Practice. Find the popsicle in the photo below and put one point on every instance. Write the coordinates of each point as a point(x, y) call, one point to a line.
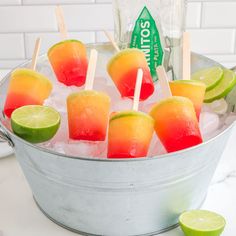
point(88, 110)
point(194, 90)
point(175, 118)
point(27, 87)
point(123, 67)
point(130, 132)
point(68, 58)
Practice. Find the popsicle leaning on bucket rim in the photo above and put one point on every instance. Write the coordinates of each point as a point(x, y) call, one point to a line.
point(68, 58)
point(27, 87)
point(192, 89)
point(130, 132)
point(88, 110)
point(176, 122)
point(123, 67)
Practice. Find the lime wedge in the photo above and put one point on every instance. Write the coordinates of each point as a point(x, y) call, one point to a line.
point(210, 77)
point(223, 88)
point(201, 223)
point(34, 123)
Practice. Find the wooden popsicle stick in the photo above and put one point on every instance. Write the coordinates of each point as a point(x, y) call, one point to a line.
point(137, 91)
point(111, 39)
point(186, 56)
point(91, 70)
point(61, 23)
point(36, 53)
point(164, 82)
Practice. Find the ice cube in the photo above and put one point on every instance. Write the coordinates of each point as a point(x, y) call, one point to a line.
point(156, 147)
point(59, 95)
point(82, 149)
point(62, 134)
point(209, 123)
point(206, 108)
point(219, 106)
point(113, 93)
point(122, 105)
point(102, 83)
point(45, 68)
point(157, 95)
point(59, 147)
point(230, 119)
point(146, 106)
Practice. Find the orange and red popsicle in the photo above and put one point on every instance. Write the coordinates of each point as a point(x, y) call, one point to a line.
point(27, 87)
point(69, 62)
point(176, 123)
point(123, 70)
point(130, 134)
point(88, 115)
point(194, 90)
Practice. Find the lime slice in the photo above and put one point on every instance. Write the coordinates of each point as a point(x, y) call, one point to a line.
point(223, 88)
point(34, 123)
point(202, 223)
point(210, 77)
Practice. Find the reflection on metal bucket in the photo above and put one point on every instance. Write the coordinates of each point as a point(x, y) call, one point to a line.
point(118, 197)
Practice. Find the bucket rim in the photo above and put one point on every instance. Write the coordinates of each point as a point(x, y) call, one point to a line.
point(97, 159)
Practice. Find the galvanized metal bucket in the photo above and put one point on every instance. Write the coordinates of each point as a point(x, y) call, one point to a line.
point(117, 197)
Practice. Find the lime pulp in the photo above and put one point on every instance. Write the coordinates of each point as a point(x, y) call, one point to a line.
point(35, 123)
point(223, 88)
point(210, 77)
point(202, 223)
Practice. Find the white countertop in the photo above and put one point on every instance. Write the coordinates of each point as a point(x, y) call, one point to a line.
point(19, 214)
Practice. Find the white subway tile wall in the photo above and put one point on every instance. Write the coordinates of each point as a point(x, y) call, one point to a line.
point(212, 24)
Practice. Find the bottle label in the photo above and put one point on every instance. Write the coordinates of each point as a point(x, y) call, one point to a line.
point(146, 37)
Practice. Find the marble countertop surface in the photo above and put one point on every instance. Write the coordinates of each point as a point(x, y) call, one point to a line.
point(19, 214)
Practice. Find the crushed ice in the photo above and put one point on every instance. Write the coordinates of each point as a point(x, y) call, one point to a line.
point(212, 120)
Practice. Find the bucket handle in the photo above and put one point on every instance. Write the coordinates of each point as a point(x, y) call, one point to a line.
point(5, 138)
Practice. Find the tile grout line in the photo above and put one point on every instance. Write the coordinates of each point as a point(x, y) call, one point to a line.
point(97, 31)
point(100, 30)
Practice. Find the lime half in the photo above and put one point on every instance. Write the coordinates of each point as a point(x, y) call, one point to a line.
point(223, 88)
point(34, 123)
point(210, 77)
point(201, 223)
